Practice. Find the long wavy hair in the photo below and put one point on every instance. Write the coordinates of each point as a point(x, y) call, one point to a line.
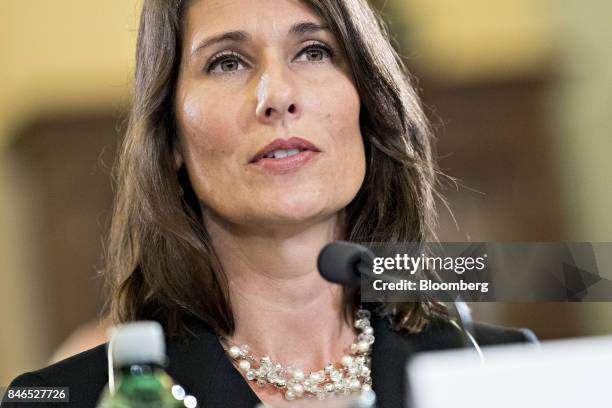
point(160, 263)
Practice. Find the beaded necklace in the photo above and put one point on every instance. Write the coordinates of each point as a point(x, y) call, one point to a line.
point(350, 375)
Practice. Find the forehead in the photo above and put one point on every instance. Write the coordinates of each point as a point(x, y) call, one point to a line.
point(259, 17)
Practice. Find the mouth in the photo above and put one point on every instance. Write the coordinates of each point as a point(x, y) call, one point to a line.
point(281, 149)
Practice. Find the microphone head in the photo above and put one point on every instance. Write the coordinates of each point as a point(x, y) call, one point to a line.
point(339, 262)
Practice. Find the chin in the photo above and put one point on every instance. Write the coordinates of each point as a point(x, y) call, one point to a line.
point(299, 208)
point(304, 208)
point(299, 212)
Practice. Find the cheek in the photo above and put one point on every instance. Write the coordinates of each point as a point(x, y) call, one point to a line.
point(210, 145)
point(341, 122)
point(204, 132)
point(340, 106)
point(345, 128)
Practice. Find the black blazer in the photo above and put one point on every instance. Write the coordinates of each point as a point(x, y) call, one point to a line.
point(201, 366)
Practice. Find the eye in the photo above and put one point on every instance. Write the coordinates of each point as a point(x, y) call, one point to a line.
point(227, 62)
point(315, 53)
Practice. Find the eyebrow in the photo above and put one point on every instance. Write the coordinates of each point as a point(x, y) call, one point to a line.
point(297, 29)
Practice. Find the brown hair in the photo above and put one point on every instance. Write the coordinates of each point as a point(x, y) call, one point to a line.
point(160, 261)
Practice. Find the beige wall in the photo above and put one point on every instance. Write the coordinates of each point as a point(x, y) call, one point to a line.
point(63, 55)
point(582, 109)
point(476, 40)
point(57, 57)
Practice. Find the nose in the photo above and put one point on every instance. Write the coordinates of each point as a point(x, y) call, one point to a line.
point(277, 98)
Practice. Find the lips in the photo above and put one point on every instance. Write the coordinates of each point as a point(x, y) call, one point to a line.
point(285, 145)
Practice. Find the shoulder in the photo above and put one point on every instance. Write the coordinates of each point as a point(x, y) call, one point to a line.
point(85, 374)
point(441, 334)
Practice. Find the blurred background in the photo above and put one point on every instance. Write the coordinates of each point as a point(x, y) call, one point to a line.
point(519, 92)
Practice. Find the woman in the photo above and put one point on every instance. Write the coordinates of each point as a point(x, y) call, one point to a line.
point(260, 131)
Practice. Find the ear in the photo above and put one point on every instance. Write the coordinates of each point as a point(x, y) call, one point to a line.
point(177, 152)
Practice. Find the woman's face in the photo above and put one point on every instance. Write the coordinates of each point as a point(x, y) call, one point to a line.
point(267, 113)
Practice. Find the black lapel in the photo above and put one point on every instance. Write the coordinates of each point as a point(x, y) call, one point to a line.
point(201, 366)
point(390, 352)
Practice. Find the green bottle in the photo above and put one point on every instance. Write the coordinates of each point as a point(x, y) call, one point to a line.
point(137, 378)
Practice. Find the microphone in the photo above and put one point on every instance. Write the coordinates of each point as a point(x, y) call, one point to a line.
point(344, 262)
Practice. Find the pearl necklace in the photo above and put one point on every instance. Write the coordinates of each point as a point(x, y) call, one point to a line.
point(351, 375)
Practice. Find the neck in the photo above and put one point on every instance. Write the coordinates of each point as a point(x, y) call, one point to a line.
point(282, 307)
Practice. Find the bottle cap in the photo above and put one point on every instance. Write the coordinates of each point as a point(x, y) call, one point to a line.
point(138, 343)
